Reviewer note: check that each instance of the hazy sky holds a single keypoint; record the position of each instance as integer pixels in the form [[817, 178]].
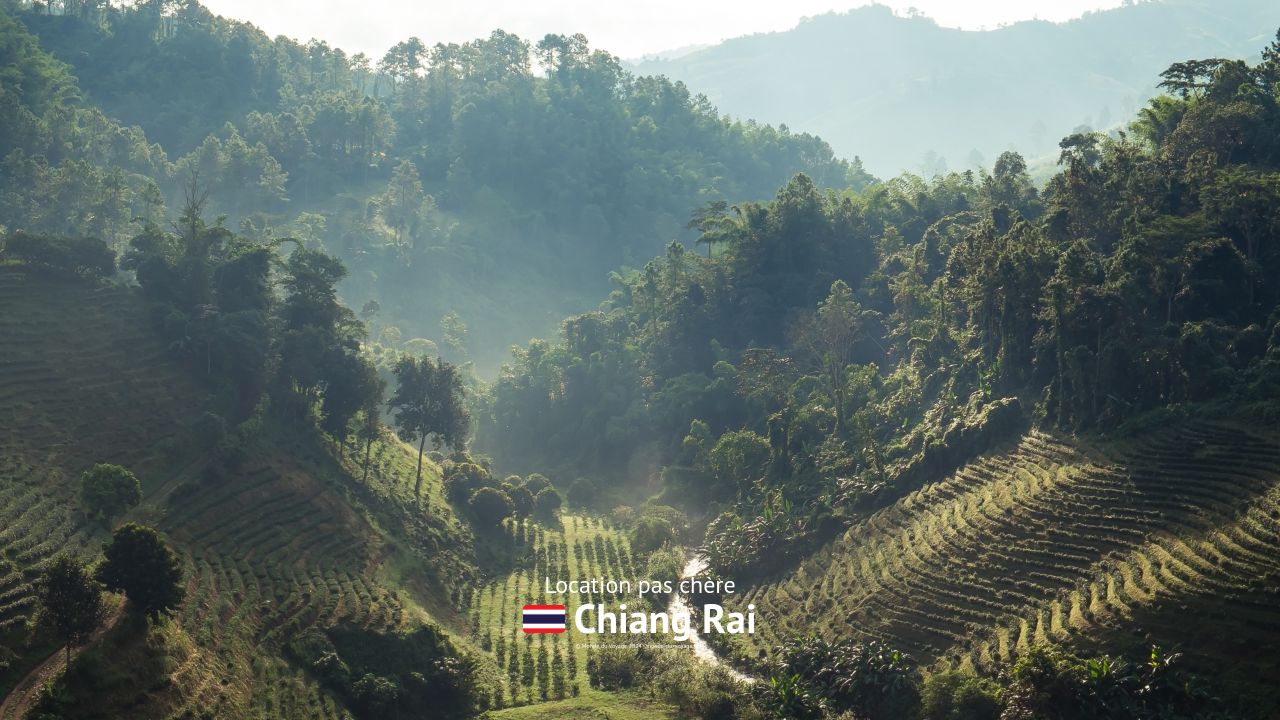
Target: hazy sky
[[628, 28]]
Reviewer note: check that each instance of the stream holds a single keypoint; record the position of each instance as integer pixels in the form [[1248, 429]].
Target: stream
[[680, 604]]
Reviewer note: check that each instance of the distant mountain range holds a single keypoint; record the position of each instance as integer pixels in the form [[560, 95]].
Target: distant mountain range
[[903, 93]]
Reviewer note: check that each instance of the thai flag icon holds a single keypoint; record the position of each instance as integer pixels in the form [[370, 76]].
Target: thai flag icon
[[543, 618]]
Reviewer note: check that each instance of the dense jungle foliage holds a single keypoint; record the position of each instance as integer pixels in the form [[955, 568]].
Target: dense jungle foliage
[[455, 180], [833, 349], [802, 362]]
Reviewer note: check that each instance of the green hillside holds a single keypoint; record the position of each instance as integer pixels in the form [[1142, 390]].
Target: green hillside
[[76, 390], [290, 542], [434, 172], [1057, 541], [974, 447]]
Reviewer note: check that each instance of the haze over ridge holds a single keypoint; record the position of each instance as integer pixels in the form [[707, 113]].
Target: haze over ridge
[[905, 93], [629, 30]]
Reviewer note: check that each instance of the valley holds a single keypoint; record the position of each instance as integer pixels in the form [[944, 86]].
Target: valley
[[450, 383]]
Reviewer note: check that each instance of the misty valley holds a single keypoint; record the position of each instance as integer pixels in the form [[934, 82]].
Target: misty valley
[[510, 379]]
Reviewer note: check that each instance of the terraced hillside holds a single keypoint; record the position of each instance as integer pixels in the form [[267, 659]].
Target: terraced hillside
[[546, 667], [290, 540], [1053, 541], [66, 405]]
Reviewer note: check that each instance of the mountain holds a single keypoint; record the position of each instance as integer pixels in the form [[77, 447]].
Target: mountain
[[463, 186], [670, 54], [904, 94], [966, 446]]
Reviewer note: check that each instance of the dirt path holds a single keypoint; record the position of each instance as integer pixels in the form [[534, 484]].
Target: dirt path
[[679, 604], [27, 691]]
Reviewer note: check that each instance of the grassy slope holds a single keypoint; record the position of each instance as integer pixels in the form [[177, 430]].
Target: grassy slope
[[591, 705], [1050, 541], [1169, 539], [291, 540], [64, 408]]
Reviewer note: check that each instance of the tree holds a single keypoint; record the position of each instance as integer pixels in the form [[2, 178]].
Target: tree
[[83, 257], [71, 601], [109, 490], [536, 483], [352, 385], [738, 459], [1190, 78], [490, 506], [404, 203], [428, 403], [1009, 184], [455, 333], [522, 500], [650, 533], [242, 176], [464, 478], [583, 492], [370, 426], [1247, 204], [404, 59], [320, 342], [310, 281], [713, 223], [830, 336], [140, 565], [547, 502]]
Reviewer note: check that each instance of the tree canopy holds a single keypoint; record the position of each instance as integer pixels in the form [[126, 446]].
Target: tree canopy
[[140, 564], [837, 348]]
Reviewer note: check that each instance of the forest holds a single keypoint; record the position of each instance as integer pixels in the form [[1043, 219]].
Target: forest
[[978, 446], [833, 348], [431, 169]]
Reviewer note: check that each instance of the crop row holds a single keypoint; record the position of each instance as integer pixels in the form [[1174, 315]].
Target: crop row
[[1010, 546], [536, 668]]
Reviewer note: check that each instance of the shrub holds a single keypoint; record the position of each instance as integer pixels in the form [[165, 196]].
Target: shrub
[[463, 479], [623, 516], [1049, 683], [81, 257], [651, 533], [960, 696], [522, 499], [490, 506], [960, 442], [679, 521], [786, 696], [209, 431], [702, 691], [376, 694], [536, 483], [109, 490], [583, 492], [391, 675], [665, 564], [617, 668], [547, 502], [871, 680]]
